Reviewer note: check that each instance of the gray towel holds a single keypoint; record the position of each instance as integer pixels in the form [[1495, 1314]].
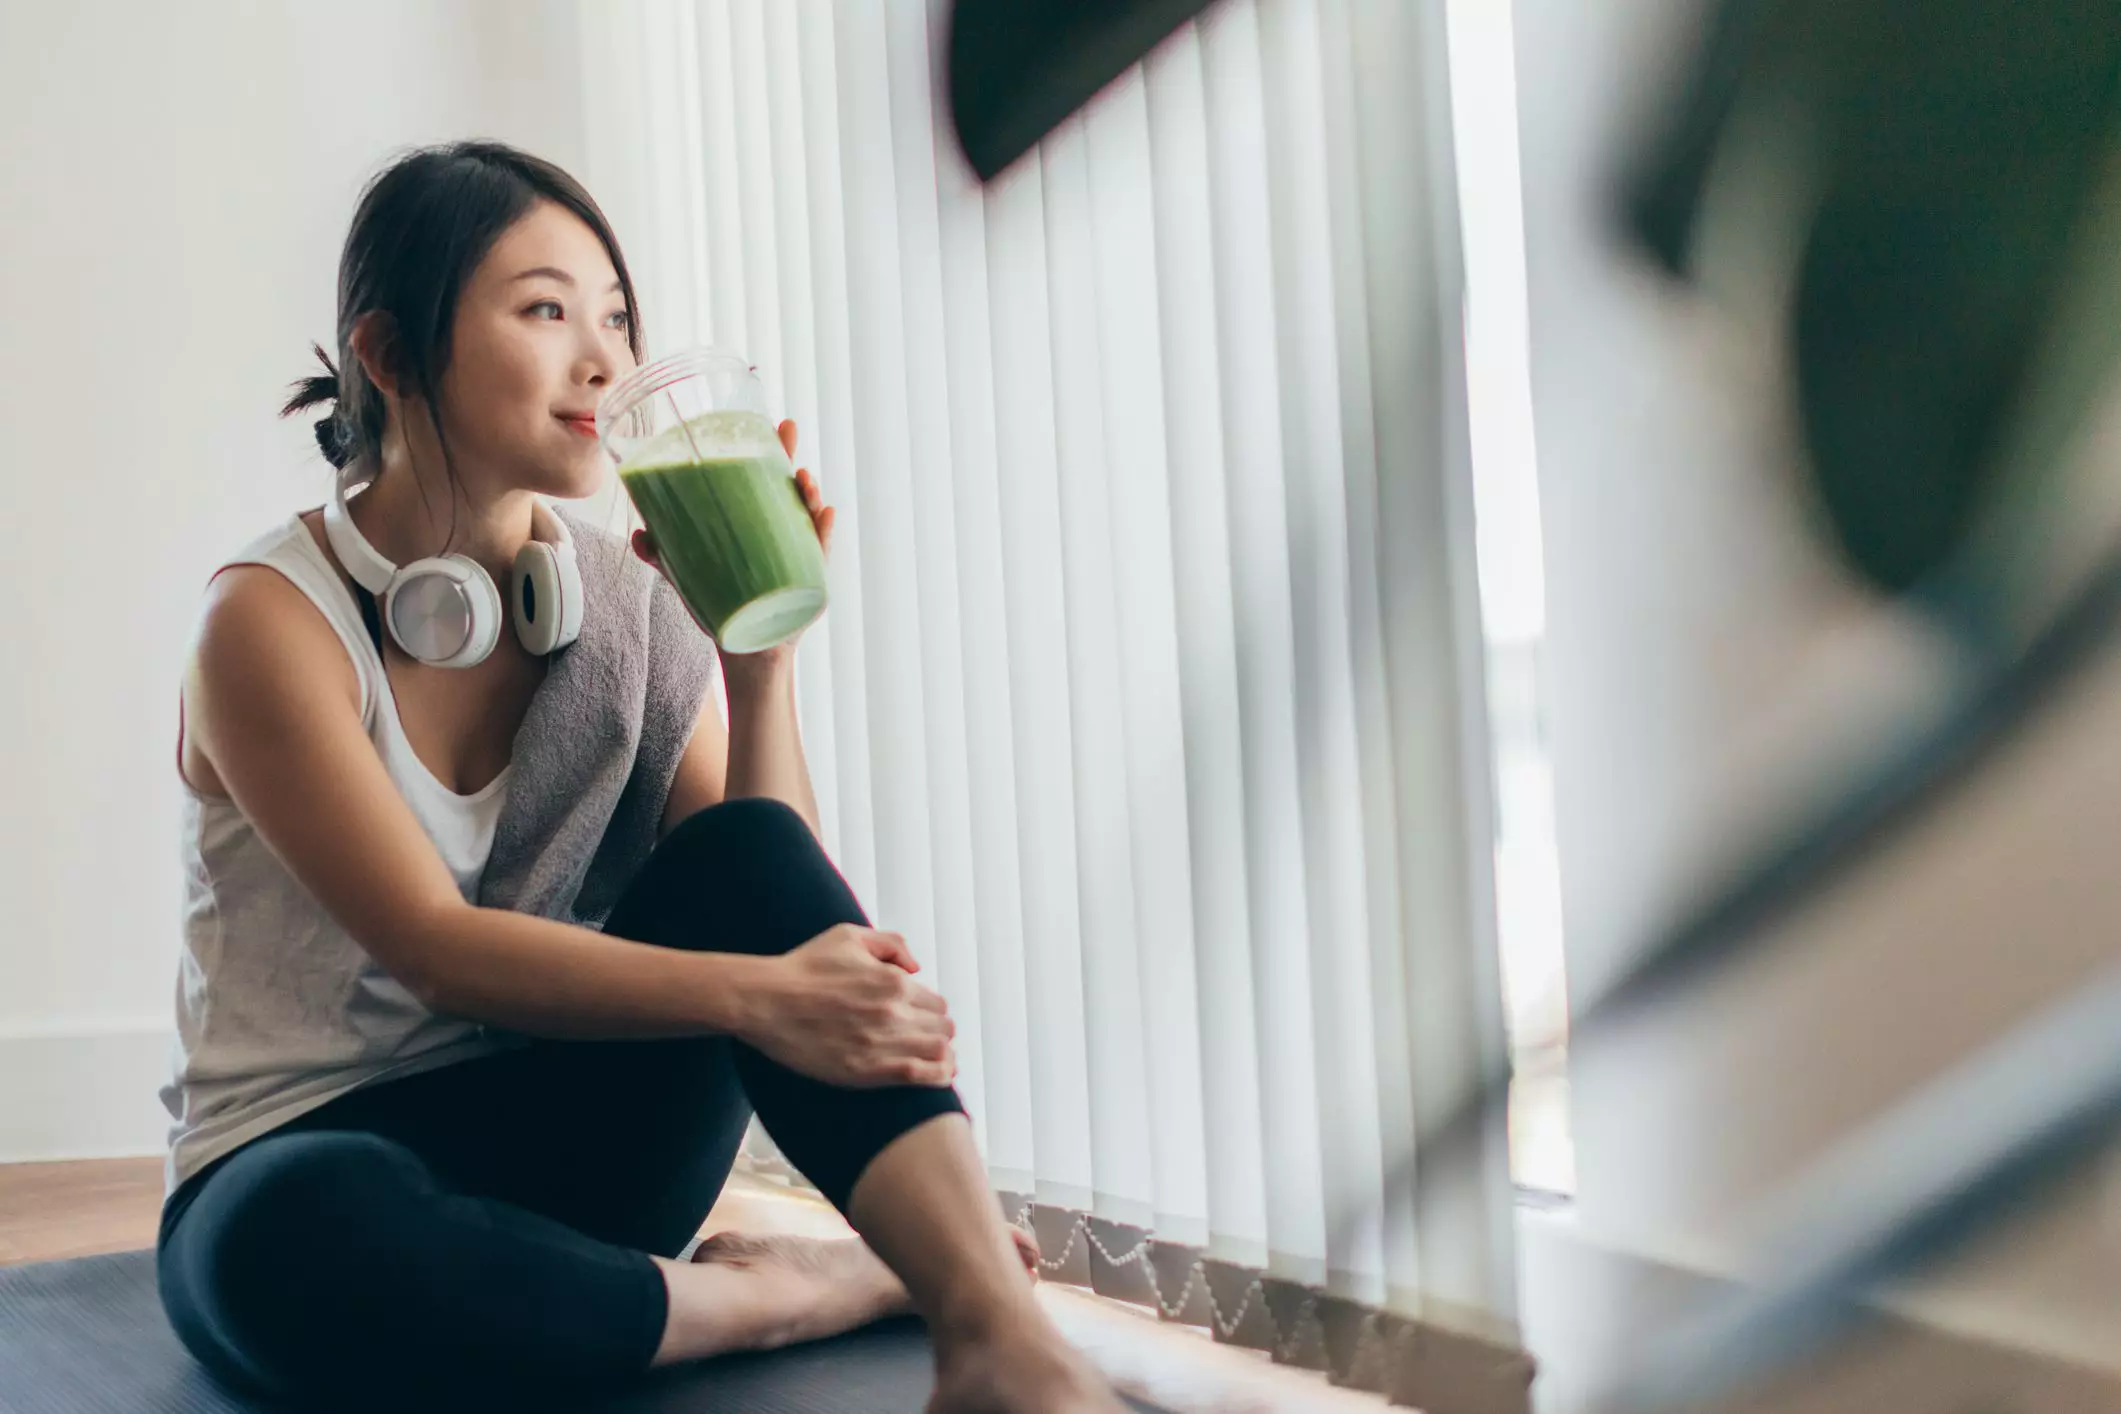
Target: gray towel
[[596, 752]]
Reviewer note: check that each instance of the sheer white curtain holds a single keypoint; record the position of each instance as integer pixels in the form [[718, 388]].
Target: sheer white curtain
[[1147, 705]]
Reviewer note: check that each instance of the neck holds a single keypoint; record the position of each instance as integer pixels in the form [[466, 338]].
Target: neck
[[413, 509]]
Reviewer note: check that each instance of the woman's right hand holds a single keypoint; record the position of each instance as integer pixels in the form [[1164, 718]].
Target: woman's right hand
[[842, 1009]]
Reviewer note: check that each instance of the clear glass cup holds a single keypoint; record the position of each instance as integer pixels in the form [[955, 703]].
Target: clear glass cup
[[702, 461]]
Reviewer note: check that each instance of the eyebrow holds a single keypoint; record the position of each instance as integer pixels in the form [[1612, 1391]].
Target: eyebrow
[[552, 273]]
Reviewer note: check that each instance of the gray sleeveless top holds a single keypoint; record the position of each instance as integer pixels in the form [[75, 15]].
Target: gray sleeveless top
[[278, 1009]]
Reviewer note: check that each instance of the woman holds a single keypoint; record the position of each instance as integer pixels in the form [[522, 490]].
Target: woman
[[427, 1150]]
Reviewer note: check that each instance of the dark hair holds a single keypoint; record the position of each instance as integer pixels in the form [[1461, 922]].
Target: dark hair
[[422, 226]]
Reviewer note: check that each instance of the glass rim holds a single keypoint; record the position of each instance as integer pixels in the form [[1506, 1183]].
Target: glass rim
[[656, 375]]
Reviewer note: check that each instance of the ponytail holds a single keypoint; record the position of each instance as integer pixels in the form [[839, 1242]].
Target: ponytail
[[313, 391]]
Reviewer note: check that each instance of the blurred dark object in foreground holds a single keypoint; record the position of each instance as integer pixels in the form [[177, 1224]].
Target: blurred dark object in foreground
[[1951, 148], [1018, 68]]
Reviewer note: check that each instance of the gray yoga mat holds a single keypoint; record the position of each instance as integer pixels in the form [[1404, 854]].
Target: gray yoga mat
[[88, 1337]]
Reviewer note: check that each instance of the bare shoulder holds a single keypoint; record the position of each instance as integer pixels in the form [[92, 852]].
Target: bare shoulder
[[263, 662], [255, 623]]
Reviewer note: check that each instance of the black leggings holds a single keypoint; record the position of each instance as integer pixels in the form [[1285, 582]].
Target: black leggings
[[478, 1234]]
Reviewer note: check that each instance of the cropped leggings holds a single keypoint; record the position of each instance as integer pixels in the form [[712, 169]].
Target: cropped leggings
[[478, 1234]]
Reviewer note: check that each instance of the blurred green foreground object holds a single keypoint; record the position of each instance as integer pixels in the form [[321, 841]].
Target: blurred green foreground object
[[1950, 150]]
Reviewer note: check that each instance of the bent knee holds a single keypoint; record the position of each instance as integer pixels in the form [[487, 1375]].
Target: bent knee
[[273, 1235], [282, 1208], [743, 824], [291, 1183], [746, 876]]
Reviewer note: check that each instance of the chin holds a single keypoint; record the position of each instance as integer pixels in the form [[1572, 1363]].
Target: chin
[[572, 478]]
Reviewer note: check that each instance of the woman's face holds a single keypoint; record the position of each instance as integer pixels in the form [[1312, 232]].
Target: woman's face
[[540, 336]]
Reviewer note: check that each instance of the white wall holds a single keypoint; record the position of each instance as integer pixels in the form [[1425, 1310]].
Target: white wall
[[176, 181], [1708, 666]]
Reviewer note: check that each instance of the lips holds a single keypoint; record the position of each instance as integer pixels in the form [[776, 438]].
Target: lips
[[584, 423]]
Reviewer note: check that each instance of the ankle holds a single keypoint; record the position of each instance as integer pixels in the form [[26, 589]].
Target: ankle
[[1008, 1318]]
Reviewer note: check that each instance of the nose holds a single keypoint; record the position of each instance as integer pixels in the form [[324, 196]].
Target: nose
[[596, 365]]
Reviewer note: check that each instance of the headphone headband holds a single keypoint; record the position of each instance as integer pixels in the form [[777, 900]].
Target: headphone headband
[[369, 569], [367, 565]]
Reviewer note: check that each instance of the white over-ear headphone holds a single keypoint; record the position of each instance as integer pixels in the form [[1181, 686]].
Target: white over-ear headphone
[[445, 611]]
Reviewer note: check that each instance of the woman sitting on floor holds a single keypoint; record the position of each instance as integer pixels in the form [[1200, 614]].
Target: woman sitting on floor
[[428, 1149]]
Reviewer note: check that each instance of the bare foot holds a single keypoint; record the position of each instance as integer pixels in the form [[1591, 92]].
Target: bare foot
[[831, 1285], [1020, 1366], [1026, 1250], [1034, 1371], [807, 1288]]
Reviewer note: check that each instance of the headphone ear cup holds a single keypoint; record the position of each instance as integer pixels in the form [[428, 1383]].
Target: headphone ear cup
[[545, 597], [444, 611], [572, 596]]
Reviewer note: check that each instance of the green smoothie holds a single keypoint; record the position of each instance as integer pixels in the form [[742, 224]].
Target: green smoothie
[[731, 530]]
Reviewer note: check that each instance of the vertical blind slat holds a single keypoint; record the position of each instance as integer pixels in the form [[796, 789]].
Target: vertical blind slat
[[923, 372], [1119, 1116], [1038, 684], [672, 145], [714, 196], [1145, 654], [888, 585], [752, 196], [1252, 451], [1392, 1219], [837, 445], [1329, 773], [1403, 147], [621, 166], [1202, 575], [789, 215], [990, 768]]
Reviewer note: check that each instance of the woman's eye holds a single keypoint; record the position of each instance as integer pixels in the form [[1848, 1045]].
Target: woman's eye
[[545, 304], [619, 320]]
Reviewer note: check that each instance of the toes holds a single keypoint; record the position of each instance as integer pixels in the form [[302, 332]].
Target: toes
[[1026, 1250], [732, 1247]]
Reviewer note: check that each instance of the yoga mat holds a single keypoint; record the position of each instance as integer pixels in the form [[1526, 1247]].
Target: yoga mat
[[88, 1337]]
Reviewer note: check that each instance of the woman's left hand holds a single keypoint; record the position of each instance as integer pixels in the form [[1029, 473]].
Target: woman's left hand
[[821, 516]]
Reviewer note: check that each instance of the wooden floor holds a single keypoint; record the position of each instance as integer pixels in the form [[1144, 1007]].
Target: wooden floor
[[77, 1209], [86, 1206]]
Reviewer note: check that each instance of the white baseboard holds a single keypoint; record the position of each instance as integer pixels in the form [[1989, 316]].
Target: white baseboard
[[84, 1094]]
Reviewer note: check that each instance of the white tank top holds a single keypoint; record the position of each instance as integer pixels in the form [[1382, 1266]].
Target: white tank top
[[278, 1008]]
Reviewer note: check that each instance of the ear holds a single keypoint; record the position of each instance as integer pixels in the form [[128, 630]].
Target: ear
[[375, 345]]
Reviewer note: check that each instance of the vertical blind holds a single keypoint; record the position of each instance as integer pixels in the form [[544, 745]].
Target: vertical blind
[[1147, 706]]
